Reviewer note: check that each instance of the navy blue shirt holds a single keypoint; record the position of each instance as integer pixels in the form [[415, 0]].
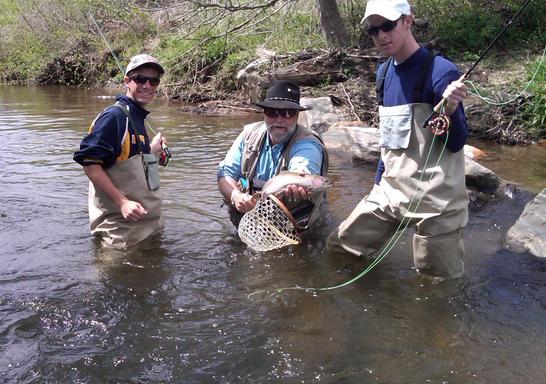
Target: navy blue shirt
[[109, 139], [398, 90]]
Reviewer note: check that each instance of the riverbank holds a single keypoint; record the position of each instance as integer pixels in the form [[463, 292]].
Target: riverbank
[[348, 78]]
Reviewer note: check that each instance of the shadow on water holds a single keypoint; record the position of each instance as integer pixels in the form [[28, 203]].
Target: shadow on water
[[176, 308]]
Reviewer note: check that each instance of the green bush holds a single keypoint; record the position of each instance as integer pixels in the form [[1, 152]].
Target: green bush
[[466, 26], [534, 114]]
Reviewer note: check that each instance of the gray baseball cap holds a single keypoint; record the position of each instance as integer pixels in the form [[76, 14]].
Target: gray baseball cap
[[143, 59]]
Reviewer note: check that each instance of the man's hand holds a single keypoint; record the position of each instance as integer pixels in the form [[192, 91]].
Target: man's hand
[[454, 94], [295, 193], [156, 145], [243, 202], [132, 210]]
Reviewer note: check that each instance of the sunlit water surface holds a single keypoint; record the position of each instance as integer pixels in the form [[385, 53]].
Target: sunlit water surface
[[176, 309]]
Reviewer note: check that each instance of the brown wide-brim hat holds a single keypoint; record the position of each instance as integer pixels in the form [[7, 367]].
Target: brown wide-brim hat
[[282, 94]]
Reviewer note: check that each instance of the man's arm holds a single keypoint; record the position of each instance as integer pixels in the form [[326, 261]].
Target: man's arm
[[453, 91], [131, 210], [229, 172], [232, 195]]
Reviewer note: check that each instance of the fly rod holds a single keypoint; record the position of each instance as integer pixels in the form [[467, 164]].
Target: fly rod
[[440, 126]]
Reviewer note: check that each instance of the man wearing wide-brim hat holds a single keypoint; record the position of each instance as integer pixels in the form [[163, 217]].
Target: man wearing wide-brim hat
[[265, 148]]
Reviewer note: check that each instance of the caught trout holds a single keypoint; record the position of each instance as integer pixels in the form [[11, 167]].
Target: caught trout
[[312, 183]]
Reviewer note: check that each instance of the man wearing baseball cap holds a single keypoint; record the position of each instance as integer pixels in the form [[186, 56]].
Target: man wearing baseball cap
[[417, 180], [265, 148], [121, 161]]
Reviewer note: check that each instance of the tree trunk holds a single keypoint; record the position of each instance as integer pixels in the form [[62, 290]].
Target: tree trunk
[[332, 25]]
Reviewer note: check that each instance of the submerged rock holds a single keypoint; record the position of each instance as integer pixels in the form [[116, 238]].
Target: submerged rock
[[529, 231]]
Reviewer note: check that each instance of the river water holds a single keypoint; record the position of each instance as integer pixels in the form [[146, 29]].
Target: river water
[[176, 309]]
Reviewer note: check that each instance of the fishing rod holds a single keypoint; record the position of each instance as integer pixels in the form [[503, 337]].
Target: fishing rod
[[165, 151], [440, 124]]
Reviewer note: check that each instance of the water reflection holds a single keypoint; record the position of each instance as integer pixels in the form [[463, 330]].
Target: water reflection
[[176, 309]]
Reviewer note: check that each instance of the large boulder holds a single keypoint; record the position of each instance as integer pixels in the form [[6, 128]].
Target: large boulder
[[481, 178], [355, 139], [321, 114], [528, 234]]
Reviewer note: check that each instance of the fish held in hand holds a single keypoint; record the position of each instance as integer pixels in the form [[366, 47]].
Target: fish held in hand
[[311, 183]]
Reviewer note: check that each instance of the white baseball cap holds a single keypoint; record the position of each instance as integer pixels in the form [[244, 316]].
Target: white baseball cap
[[143, 59], [389, 9]]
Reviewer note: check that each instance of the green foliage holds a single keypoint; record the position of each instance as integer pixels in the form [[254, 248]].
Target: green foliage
[[56, 41], [295, 31], [211, 54], [534, 114], [468, 27], [27, 56]]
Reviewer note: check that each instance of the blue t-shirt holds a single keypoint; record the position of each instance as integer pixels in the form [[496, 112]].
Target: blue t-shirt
[[109, 139], [305, 154], [400, 82]]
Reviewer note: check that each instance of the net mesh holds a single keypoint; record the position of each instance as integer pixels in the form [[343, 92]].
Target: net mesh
[[268, 226]]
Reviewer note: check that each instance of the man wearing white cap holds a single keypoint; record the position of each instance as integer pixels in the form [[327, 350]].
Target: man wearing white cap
[[417, 180], [121, 162]]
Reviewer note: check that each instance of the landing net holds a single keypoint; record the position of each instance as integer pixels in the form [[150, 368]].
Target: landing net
[[268, 226]]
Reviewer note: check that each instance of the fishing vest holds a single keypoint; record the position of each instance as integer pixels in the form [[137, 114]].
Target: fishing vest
[[254, 139]]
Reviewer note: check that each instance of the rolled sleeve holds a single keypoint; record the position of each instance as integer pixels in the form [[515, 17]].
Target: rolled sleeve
[[306, 155], [458, 128]]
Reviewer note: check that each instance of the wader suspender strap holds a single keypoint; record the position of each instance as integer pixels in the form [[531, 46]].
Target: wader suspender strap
[[419, 84], [380, 85], [132, 126]]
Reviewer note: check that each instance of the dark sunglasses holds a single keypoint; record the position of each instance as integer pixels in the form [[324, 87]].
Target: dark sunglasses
[[387, 26], [286, 113], [141, 79]]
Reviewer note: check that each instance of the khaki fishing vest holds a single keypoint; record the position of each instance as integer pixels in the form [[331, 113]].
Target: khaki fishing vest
[[254, 139]]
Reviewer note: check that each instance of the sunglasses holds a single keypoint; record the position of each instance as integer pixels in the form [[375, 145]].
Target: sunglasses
[[286, 113], [387, 26], [141, 79]]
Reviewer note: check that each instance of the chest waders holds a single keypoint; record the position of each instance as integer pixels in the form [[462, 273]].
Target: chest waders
[[137, 178], [439, 185]]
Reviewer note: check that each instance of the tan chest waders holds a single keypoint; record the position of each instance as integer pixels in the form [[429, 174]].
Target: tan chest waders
[[137, 178]]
